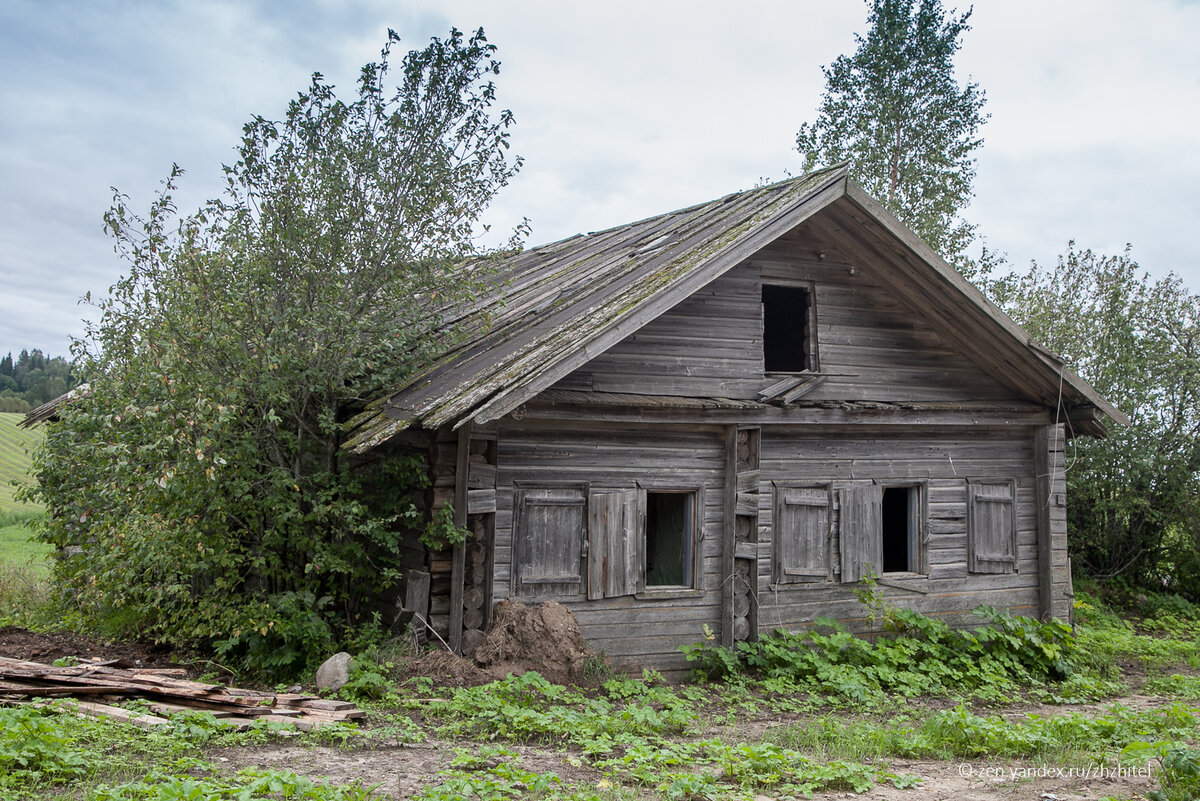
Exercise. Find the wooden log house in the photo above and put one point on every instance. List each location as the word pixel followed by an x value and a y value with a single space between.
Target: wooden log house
pixel 728 415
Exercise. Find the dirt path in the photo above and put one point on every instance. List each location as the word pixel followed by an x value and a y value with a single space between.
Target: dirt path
pixel 399 770
pixel 402 770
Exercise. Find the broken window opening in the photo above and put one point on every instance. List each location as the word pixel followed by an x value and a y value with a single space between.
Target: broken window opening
pixel 901 529
pixel 787 333
pixel 669 527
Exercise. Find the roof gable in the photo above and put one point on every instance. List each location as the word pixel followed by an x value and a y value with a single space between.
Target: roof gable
pixel 562 304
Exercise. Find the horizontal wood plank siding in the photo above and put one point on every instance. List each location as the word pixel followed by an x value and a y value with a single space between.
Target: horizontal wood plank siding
pixel 632 630
pixel 871 346
pixel 943 459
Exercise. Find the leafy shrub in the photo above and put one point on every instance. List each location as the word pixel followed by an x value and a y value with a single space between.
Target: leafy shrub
pixel 34 746
pixel 921 656
pixel 1168 604
pixel 204 485
pixel 1180 775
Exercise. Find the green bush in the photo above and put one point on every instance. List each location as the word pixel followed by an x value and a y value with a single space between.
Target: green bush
pixel 205 485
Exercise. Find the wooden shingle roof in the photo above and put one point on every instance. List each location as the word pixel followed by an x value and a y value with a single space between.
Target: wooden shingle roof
pixel 558 306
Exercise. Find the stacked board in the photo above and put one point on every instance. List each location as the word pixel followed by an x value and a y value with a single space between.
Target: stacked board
pixel 97 689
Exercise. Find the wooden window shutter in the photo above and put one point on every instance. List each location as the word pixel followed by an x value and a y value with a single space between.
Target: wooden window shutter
pixel 802 518
pixel 613 561
pixel 861 532
pixel 992 526
pixel 550 527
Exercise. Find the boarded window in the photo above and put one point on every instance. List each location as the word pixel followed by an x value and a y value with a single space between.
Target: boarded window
pixel 802 519
pixel 861 535
pixel 613 555
pixel 788 345
pixel 992 526
pixel 549 530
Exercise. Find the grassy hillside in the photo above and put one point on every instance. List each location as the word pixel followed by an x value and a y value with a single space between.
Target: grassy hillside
pixel 15 444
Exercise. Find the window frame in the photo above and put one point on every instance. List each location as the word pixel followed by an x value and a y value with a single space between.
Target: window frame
pixel 918 534
pixel 812 352
pixel 696 544
pixel 854 568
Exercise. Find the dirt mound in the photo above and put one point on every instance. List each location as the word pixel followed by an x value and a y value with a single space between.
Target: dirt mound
pixel 544 637
pixel 19 643
pixel 450 670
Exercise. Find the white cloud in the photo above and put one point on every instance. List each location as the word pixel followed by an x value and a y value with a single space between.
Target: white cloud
pixel 624 109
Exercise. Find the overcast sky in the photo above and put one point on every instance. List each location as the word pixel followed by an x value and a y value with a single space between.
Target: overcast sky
pixel 623 109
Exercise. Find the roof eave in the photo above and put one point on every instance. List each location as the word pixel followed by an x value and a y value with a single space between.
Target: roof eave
pixel 1053 368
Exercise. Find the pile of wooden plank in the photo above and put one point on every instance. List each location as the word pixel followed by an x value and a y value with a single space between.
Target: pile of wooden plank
pixel 96 689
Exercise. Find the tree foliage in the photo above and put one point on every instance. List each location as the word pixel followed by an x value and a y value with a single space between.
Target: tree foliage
pixel 33 378
pixel 200 488
pixel 1133 498
pixel 895 110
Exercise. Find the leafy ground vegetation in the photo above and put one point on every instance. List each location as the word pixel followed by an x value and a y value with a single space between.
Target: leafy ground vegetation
pixel 919 711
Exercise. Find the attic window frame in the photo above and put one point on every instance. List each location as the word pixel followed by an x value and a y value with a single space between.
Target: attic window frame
pixel 809 333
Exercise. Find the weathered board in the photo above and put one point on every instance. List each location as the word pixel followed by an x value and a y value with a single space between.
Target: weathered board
pixel 871 346
pixel 607 464
pixel 586 470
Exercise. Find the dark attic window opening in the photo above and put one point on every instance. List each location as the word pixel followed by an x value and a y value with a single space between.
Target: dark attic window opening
pixel 786 335
pixel 668 539
pixel 899 520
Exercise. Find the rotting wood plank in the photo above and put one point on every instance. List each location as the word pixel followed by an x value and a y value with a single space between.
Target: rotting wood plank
pixel 114 685
pixel 140 719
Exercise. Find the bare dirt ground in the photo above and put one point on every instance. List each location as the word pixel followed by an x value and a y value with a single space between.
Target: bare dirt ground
pixel 401 769
pixel 19 643
pixel 398 770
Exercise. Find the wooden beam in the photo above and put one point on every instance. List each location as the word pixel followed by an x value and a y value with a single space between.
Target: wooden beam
pixel 880 415
pixel 728 536
pixel 462 467
pixel 1043 480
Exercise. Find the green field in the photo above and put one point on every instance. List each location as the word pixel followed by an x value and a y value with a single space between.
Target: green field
pixel 16 548
pixel 15 446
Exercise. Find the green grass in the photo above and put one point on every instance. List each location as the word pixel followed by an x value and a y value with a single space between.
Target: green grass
pixel 15 446
pixel 44 754
pixel 17 546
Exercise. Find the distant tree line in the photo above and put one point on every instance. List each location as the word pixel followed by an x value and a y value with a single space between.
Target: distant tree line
pixel 32 379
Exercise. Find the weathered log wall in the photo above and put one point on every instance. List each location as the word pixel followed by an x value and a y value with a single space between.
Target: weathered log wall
pixel 642 629
pixel 942 461
pixel 870 346
pixel 646 630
